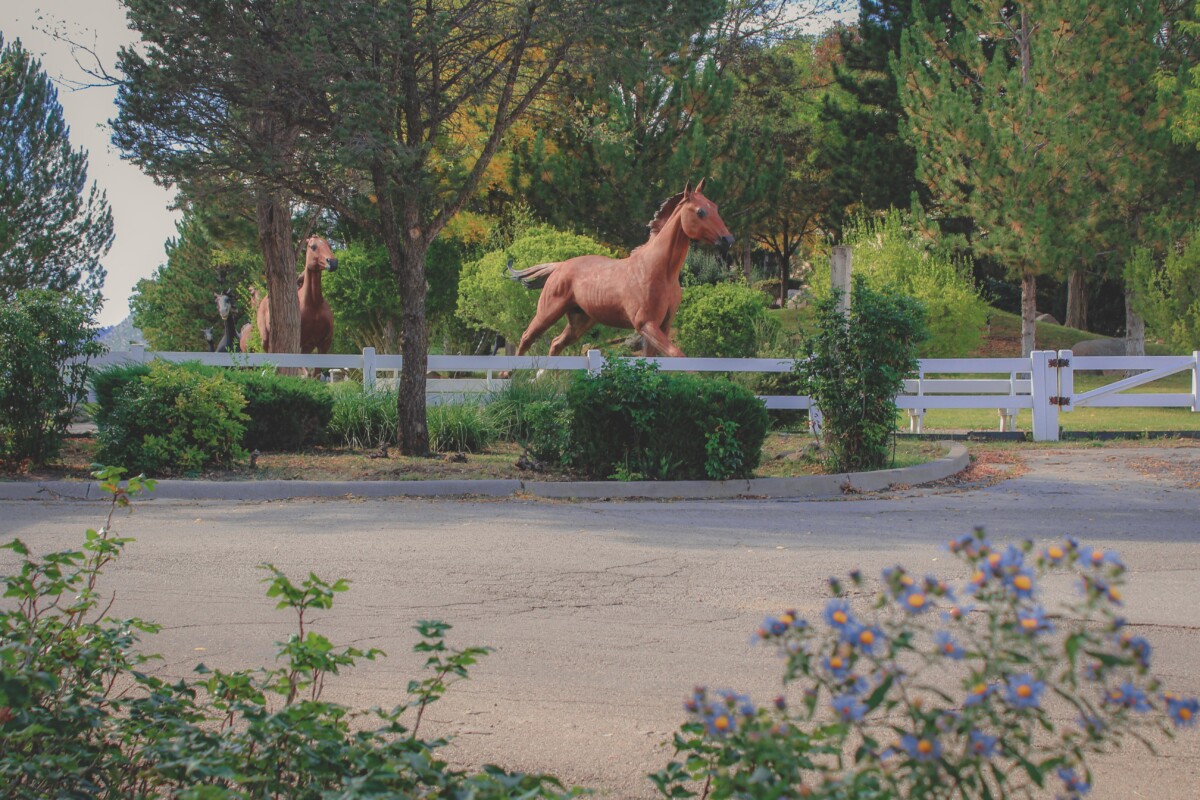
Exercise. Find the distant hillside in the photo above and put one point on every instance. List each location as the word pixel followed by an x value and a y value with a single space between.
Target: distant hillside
pixel 121 335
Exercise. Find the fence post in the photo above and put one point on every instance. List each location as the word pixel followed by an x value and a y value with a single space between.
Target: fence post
pixel 840 265
pixel 595 362
pixel 1066 380
pixel 1196 380
pixel 368 369
pixel 1044 384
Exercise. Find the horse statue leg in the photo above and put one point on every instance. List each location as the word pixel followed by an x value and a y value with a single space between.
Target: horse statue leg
pixel 658 339
pixel 578 323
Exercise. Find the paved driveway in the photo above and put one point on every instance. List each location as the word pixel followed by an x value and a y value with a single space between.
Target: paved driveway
pixel 603 615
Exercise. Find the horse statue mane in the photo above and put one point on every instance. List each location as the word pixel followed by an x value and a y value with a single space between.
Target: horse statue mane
pixel 664 213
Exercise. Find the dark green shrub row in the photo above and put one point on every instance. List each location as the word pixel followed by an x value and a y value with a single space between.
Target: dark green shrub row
pixel 283 412
pixel 633 422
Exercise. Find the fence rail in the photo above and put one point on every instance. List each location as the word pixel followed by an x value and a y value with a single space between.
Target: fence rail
pixel 1044 382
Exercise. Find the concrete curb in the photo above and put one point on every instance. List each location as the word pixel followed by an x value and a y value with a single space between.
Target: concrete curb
pixel 811 487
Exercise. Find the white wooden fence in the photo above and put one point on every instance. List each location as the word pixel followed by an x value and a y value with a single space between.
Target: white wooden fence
pixel 1043 383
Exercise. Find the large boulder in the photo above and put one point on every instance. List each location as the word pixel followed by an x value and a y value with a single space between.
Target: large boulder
pixel 1046 318
pixel 1101 347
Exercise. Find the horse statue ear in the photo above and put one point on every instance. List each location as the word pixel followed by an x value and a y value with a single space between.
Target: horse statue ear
pixel 687 189
pixel 700 185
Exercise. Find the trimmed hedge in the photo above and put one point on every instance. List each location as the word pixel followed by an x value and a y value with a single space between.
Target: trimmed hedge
pixel 633 422
pixel 284 412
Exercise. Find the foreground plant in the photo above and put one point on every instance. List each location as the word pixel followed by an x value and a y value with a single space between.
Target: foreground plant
pixel 80 718
pixel 938 692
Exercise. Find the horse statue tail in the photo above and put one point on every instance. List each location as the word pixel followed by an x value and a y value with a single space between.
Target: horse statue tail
pixel 533 277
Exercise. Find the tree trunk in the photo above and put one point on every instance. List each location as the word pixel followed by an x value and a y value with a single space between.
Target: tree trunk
pixel 747 266
pixel 1028 313
pixel 1135 328
pixel 785 272
pixel 274 216
pixel 411 429
pixel 1077 309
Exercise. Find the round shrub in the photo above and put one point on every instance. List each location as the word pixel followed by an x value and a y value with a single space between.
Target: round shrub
pixel 362 419
pixel 722 320
pixel 460 427
pixel 174 420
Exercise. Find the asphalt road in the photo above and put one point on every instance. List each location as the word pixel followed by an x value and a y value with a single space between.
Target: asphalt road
pixel 603 615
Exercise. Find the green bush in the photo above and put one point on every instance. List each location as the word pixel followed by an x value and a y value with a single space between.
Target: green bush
pixel 633 422
pixel 547 431
pixel 46 339
pixel 361 419
pixel 889 256
pixel 81 717
pixel 723 320
pixel 489 300
pixel 854 367
pixel 510 407
pixel 935 696
pixel 283 412
pixel 174 420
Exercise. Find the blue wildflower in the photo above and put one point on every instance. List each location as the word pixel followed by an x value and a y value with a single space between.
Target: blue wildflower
pixel 1183 712
pixel 915 600
pixel 1127 696
pixel 957 612
pixel 838 666
pixel 1055 553
pixel 947 646
pixel 848 707
pixel 925 748
pixel 1021 583
pixel 1139 647
pixel 1096 558
pixel 977 693
pixel 1024 691
pixel 864 637
pixel 837 614
pixel 1033 621
pixel 982 745
pixel 1092 726
pixel 1075 784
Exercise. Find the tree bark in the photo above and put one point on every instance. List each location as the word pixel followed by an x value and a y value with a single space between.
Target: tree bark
pixel 1135 328
pixel 273 214
pixel 1077 308
pixel 1028 313
pixel 747 265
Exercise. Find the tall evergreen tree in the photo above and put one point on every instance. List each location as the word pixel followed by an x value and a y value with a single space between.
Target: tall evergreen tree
pixel 54 229
pixel 870 163
pixel 1020 122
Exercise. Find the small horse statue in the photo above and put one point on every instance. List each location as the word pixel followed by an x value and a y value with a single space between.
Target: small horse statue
pixel 316 318
pixel 229 341
pixel 641 292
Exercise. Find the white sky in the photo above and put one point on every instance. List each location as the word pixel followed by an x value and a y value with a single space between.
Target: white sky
pixel 141 217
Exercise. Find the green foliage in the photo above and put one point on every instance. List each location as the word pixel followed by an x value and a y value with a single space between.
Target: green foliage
pixel 723 320
pixel 855 365
pixel 933 701
pixel 212 251
pixel 362 419
pixel 282 412
pixel 701 267
pixel 891 258
pixel 53 229
pixel 511 407
pixel 461 427
pixel 174 419
pixel 633 422
pixel 80 716
pixel 1167 294
pixel 45 342
pixel 488 299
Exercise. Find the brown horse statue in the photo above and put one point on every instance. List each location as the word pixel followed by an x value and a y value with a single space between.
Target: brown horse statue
pixel 316 318
pixel 641 292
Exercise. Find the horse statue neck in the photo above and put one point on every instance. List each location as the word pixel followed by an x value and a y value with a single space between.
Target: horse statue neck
pixel 668 247
pixel 310 290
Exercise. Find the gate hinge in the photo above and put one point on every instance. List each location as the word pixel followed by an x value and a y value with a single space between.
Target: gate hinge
pixel 1058 400
pixel 1058 363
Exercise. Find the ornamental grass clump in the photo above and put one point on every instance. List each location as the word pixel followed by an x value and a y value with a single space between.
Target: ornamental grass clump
pixel 938 691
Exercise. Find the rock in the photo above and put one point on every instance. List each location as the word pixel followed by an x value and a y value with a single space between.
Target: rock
pixel 1046 318
pixel 456 458
pixel 1099 347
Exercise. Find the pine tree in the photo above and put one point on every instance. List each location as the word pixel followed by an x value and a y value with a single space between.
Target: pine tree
pixel 54 229
pixel 1021 121
pixel 870 162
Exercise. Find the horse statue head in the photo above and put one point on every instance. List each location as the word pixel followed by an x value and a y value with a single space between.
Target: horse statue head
pixel 224 303
pixel 698 217
pixel 318 255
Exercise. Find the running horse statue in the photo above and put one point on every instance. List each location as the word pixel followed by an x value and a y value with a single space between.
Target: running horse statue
pixel 225 307
pixel 316 318
pixel 641 292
